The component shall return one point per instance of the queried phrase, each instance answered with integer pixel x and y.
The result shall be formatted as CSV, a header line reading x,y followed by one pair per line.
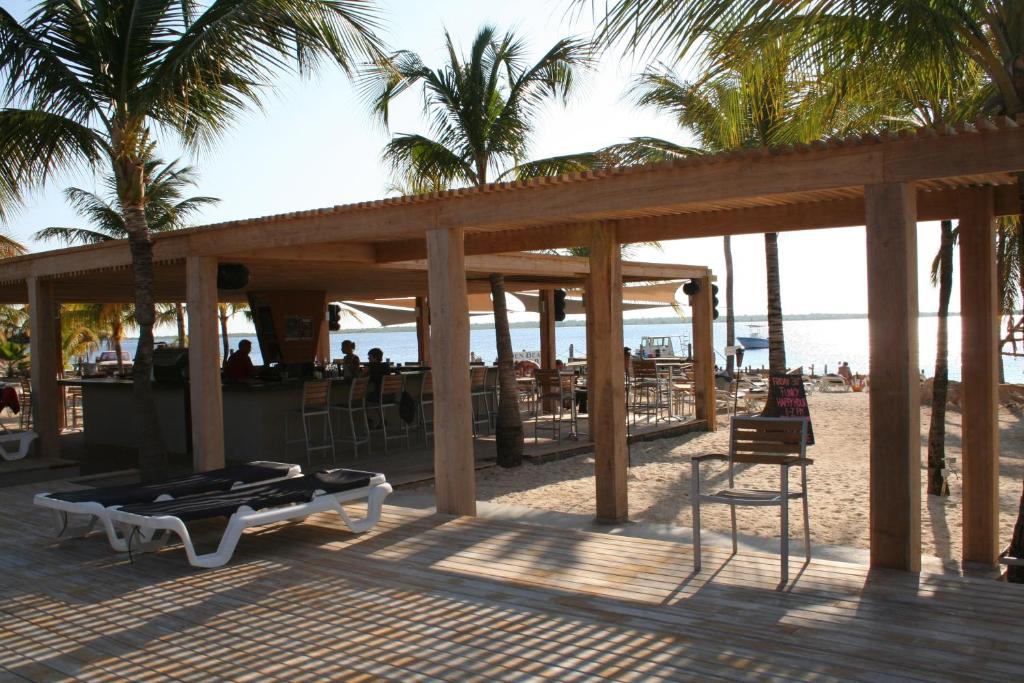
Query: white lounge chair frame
x,y
832,384
24,440
245,517
97,514
757,448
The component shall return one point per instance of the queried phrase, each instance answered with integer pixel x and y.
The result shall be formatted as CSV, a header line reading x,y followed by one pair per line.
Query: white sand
x,y
659,481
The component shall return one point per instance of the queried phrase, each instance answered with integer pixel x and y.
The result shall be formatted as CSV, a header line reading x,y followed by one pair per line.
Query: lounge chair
x,y
294,498
832,383
95,503
23,439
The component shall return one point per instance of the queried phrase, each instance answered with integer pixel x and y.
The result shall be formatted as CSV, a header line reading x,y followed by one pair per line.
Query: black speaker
x,y
692,288
333,317
559,305
232,276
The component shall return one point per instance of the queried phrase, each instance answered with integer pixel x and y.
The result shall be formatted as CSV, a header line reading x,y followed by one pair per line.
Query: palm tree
x,y
166,209
770,98
483,109
94,81
224,313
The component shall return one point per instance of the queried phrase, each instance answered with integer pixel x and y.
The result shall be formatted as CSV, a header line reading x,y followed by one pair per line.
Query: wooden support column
x,y
895,405
705,400
606,374
980,371
44,327
323,345
454,474
423,330
548,355
203,364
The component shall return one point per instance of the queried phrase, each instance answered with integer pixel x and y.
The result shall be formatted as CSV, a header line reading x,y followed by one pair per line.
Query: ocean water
x,y
810,343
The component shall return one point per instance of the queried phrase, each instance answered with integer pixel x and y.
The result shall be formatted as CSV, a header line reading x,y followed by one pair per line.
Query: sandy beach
x,y
659,480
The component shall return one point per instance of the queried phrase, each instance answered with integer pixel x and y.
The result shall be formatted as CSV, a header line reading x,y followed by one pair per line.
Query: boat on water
x,y
755,339
677,346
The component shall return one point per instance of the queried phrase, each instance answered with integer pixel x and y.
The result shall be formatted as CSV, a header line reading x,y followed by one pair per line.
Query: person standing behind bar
x,y
239,367
349,360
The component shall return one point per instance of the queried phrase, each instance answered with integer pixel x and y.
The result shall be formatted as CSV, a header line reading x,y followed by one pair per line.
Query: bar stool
x,y
25,418
316,403
491,396
389,395
555,388
73,406
354,410
478,392
427,399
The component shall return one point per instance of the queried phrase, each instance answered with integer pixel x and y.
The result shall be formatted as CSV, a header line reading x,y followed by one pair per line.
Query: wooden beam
x,y
44,326
548,351
331,252
895,422
606,375
705,397
980,371
805,215
454,474
423,330
204,365
323,347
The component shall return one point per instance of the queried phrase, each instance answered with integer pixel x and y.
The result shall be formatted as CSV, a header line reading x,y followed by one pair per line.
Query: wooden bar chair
x,y
759,441
25,417
558,390
388,396
353,411
316,407
427,401
478,392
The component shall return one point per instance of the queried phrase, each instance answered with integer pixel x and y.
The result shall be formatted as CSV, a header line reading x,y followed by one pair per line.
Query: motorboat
x,y
755,339
677,346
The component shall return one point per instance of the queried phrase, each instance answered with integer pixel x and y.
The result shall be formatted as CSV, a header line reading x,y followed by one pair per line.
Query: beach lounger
x,y
95,503
832,383
20,439
289,499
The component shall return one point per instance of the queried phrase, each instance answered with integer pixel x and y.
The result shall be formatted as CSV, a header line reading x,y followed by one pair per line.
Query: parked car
x,y
106,362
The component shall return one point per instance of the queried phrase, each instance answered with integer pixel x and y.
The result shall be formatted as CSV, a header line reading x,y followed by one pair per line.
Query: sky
x,y
315,145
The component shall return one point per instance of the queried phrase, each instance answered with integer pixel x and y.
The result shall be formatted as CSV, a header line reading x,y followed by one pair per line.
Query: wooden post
x,y
203,365
705,399
980,371
895,407
454,474
44,327
606,380
423,330
323,346
548,355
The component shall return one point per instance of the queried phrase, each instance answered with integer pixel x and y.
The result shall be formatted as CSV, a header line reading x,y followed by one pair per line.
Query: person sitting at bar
x,y
376,368
239,367
349,360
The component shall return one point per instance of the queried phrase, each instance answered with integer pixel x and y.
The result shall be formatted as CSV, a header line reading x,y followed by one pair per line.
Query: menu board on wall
x,y
787,398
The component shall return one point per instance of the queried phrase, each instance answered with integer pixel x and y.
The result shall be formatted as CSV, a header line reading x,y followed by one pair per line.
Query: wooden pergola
x,y
439,241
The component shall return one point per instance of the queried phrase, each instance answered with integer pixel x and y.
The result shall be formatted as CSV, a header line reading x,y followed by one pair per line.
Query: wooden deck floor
x,y
429,597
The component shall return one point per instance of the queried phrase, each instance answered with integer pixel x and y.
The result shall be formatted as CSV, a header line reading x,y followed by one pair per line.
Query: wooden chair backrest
x,y
477,377
26,386
549,383
646,369
427,389
391,384
491,378
767,440
357,390
316,394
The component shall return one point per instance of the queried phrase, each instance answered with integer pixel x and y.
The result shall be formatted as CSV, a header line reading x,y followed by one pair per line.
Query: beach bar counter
x,y
254,416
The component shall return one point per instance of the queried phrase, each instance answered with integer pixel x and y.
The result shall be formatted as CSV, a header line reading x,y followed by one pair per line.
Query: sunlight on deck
x,y
426,597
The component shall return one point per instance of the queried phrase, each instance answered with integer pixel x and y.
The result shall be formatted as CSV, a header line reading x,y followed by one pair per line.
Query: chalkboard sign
x,y
787,398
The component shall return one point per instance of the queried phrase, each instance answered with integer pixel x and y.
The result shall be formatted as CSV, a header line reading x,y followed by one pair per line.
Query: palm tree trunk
x,y
776,339
509,430
730,316
116,335
937,483
179,312
222,313
152,458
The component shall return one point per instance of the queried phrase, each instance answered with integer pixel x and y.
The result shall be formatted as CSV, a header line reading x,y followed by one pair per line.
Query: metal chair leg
x,y
695,502
784,542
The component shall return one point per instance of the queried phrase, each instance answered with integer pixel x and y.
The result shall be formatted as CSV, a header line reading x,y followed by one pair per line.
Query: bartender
x,y
239,367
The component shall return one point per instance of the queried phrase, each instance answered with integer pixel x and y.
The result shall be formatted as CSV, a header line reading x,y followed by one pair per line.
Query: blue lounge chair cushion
x,y
191,484
225,503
